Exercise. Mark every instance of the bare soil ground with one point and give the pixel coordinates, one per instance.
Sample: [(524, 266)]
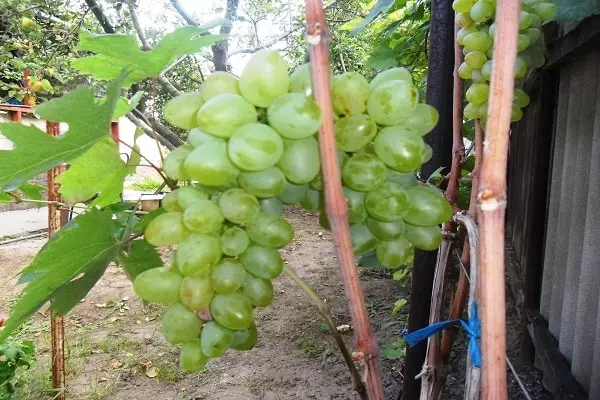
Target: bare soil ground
[(115, 349)]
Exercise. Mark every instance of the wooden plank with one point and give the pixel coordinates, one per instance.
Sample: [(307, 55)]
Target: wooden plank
[(557, 375), (586, 326), (585, 36), (581, 139)]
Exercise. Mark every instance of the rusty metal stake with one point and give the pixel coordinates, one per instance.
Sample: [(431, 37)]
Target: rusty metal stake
[(56, 324)]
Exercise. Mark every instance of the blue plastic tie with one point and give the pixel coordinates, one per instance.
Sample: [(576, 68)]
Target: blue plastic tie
[(472, 328)]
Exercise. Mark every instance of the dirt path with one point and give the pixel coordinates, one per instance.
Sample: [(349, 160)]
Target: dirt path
[(116, 350)]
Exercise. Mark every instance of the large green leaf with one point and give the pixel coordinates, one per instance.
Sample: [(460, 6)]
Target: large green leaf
[(115, 52), (575, 10), (86, 245), (140, 257), (98, 170), (35, 151), (126, 105), (380, 7)]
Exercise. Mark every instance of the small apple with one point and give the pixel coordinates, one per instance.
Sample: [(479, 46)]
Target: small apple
[(37, 87)]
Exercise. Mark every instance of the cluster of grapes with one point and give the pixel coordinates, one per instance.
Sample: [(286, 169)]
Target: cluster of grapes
[(252, 148), (476, 20)]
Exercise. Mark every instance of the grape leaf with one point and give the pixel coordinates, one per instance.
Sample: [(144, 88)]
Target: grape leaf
[(87, 175), (380, 7), (84, 245), (575, 10), (35, 151), (124, 105), (115, 52), (140, 257)]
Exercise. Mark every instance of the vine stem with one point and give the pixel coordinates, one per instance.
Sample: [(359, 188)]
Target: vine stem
[(336, 207), (158, 170), (323, 309), (491, 199)]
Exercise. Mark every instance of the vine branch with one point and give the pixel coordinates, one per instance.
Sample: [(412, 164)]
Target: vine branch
[(158, 170), (323, 309), (337, 211)]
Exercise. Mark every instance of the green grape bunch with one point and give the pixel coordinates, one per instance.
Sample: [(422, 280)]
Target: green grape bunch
[(251, 149), (477, 32)]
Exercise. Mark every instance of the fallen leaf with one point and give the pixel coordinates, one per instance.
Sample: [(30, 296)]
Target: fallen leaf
[(102, 379), (152, 372), (117, 364)]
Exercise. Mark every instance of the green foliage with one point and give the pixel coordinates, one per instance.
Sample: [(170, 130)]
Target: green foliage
[(146, 185), (14, 356), (115, 52), (68, 265), (35, 151), (575, 10), (139, 257), (394, 350)]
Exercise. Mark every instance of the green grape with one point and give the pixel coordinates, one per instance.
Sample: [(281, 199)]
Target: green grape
[(525, 20), (483, 110), (462, 6), (245, 339), (270, 230), (392, 74), (477, 76), (197, 253), (165, 230), (232, 310), (485, 28), (426, 154), (463, 20), (188, 195), (324, 220), (464, 71), (388, 202), (253, 147), (197, 137), (478, 93), (477, 41), (482, 11), (262, 262), (399, 148), (393, 253), (169, 202), (292, 193), (363, 172), (462, 34), (533, 34), (406, 179), (294, 116), (311, 201), (179, 325), (215, 339), (486, 70), (173, 164), (546, 11), (521, 98), (158, 285), (219, 82), (490, 53), (238, 206), (191, 358), (523, 42), (266, 183), (196, 292), (301, 81), (264, 78), (424, 237), (423, 119), (271, 205), (356, 205), (475, 59), (392, 102), (354, 132), (234, 241), (362, 238), (427, 206), (222, 114), (181, 110), (536, 21), (317, 183), (350, 93), (386, 230), (203, 216), (516, 113), (300, 160), (520, 68), (209, 164), (492, 30), (258, 291), (227, 276), (471, 112)]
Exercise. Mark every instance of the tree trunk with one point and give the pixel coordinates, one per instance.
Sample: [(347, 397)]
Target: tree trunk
[(220, 50)]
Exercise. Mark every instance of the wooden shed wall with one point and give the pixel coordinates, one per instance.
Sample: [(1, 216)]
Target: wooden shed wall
[(553, 217)]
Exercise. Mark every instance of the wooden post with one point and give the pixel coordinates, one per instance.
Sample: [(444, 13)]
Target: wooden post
[(56, 324), (491, 201)]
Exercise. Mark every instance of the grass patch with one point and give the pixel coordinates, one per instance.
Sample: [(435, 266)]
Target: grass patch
[(115, 346), (147, 184), (310, 347)]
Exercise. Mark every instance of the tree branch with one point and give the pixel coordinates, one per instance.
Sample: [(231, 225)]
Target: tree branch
[(267, 44), (99, 14), (221, 49), (184, 14), (148, 131), (162, 130)]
